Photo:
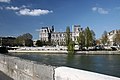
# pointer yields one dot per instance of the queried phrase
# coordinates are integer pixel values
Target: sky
(26, 16)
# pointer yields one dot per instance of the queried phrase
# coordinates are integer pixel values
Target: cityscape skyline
(25, 16)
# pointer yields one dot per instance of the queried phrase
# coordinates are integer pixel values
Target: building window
(56, 35)
(60, 35)
(45, 31)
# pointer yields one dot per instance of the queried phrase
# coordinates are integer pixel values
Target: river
(105, 64)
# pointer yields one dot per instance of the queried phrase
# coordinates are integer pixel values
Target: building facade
(45, 33)
(75, 32)
(58, 38)
(111, 36)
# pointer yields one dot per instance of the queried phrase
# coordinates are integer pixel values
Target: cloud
(15, 8)
(100, 10)
(34, 12)
(5, 1)
(94, 8)
(26, 11)
(12, 8)
(23, 6)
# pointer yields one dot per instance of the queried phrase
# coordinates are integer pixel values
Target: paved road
(4, 76)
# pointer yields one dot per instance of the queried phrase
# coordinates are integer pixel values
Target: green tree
(28, 42)
(97, 42)
(7, 41)
(93, 38)
(24, 40)
(81, 39)
(88, 37)
(104, 39)
(19, 41)
(39, 43)
(71, 47)
(69, 43)
(117, 38)
(27, 36)
(67, 37)
(48, 43)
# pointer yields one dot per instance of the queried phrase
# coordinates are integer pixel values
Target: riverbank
(38, 51)
(59, 50)
(65, 52)
(99, 52)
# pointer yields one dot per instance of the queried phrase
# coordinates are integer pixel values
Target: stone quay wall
(20, 69)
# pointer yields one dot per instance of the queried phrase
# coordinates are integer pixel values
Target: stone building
(45, 33)
(111, 36)
(75, 32)
(58, 38)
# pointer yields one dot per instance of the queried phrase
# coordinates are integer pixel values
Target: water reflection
(70, 60)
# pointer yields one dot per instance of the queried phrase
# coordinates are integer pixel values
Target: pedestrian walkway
(4, 76)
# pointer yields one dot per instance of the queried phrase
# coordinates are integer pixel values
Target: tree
(93, 38)
(69, 43)
(97, 42)
(88, 37)
(104, 39)
(39, 43)
(19, 41)
(28, 42)
(48, 43)
(27, 36)
(81, 39)
(67, 37)
(24, 40)
(117, 38)
(71, 47)
(7, 41)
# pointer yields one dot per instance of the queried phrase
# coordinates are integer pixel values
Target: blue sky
(25, 16)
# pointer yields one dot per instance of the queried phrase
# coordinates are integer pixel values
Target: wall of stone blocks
(20, 69)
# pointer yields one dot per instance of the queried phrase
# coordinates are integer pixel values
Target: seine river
(105, 64)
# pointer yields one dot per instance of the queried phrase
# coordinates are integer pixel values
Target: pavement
(66, 73)
(4, 76)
